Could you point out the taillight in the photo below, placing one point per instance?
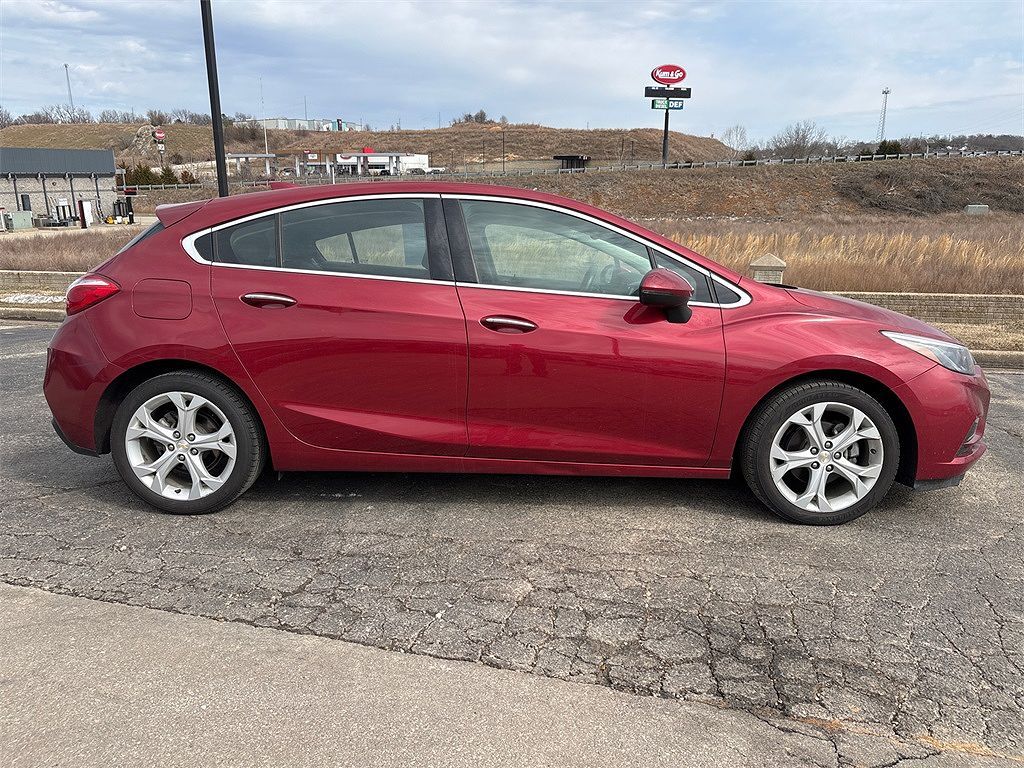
(88, 290)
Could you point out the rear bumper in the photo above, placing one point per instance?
(77, 374)
(949, 411)
(69, 444)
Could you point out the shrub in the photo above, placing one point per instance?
(141, 174)
(168, 176)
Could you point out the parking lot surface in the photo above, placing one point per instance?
(897, 637)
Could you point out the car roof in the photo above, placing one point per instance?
(224, 209)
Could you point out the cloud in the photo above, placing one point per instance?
(758, 64)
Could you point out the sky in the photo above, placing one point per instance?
(952, 67)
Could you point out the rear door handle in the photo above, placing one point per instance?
(268, 300)
(504, 324)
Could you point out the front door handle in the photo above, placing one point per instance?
(505, 324)
(268, 300)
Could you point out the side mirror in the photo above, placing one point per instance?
(664, 288)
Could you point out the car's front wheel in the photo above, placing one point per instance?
(821, 453)
(187, 443)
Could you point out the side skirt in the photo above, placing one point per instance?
(287, 459)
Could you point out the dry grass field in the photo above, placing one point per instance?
(948, 253)
(70, 251)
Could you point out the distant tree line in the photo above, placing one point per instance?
(807, 139)
(481, 117)
(64, 113)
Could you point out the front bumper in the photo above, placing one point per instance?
(949, 411)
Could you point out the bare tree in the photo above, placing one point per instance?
(117, 116)
(182, 115)
(5, 118)
(59, 113)
(157, 116)
(34, 118)
(799, 140)
(735, 137)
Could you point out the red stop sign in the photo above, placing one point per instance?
(158, 134)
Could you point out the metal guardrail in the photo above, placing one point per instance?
(812, 160)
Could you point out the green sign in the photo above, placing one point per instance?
(667, 103)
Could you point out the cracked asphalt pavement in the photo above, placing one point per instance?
(894, 638)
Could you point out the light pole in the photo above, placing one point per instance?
(67, 77)
(218, 120)
(503, 153)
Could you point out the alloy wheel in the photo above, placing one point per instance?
(180, 445)
(826, 457)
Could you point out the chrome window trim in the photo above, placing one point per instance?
(188, 243)
(744, 296)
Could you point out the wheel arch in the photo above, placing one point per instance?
(119, 388)
(905, 429)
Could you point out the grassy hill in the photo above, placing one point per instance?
(471, 143)
(457, 145)
(775, 192)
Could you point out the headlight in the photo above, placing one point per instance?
(956, 357)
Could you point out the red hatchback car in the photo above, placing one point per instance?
(434, 327)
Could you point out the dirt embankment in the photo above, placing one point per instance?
(461, 145)
(789, 192)
(904, 187)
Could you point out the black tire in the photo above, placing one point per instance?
(765, 423)
(248, 438)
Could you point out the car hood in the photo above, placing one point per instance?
(886, 319)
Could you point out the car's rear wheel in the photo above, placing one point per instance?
(821, 453)
(187, 443)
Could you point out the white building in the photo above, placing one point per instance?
(298, 124)
(376, 163)
(361, 164)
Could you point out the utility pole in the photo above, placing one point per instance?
(881, 118)
(503, 152)
(305, 111)
(263, 112)
(67, 77)
(211, 76)
(483, 154)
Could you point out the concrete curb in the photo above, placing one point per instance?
(18, 279)
(996, 359)
(31, 313)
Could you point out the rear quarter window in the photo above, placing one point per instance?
(252, 243)
(145, 234)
